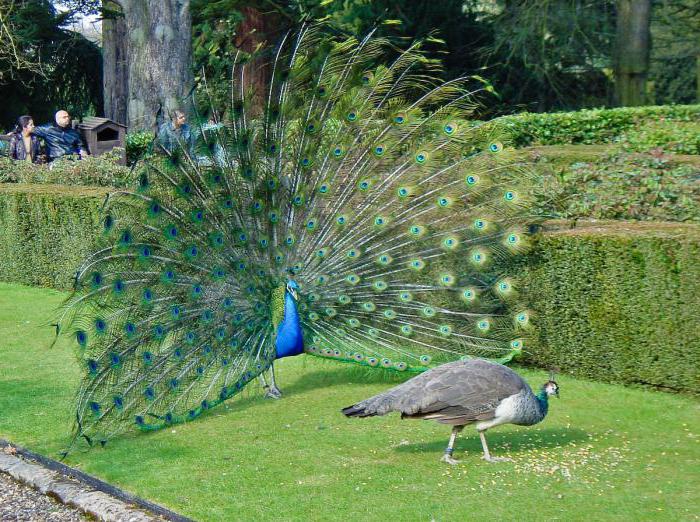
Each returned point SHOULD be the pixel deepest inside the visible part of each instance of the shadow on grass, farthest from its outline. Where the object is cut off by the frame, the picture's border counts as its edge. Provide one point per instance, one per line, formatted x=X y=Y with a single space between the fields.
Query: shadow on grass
x=511 y=441
x=343 y=373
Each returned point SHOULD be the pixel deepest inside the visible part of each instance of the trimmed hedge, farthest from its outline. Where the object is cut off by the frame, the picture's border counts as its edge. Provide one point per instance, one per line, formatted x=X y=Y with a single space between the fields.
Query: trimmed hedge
x=46 y=231
x=102 y=171
x=591 y=126
x=616 y=302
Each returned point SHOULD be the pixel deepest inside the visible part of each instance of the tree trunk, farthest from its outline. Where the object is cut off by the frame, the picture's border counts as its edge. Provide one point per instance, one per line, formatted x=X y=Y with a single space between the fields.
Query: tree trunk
x=159 y=35
x=253 y=34
x=115 y=79
x=632 y=51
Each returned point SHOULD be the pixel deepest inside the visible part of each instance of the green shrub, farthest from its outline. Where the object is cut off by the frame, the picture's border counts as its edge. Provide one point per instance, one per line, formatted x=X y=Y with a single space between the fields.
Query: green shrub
x=46 y=231
x=591 y=126
x=613 y=302
x=618 y=302
x=679 y=137
x=619 y=185
x=137 y=145
x=100 y=171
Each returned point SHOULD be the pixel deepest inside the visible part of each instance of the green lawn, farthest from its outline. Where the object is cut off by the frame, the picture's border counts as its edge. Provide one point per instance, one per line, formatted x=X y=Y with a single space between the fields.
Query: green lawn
x=604 y=452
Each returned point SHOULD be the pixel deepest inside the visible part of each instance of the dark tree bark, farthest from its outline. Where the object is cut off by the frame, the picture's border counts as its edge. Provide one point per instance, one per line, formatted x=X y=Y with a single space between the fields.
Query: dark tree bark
x=158 y=38
x=632 y=51
x=114 y=63
x=256 y=31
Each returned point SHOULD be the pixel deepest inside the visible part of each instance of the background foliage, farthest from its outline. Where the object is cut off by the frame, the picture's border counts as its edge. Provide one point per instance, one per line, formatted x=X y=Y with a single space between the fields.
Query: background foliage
x=65 y=70
x=539 y=55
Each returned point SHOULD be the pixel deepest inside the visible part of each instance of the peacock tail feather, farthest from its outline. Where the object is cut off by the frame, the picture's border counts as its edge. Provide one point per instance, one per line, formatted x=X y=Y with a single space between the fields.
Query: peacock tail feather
x=366 y=184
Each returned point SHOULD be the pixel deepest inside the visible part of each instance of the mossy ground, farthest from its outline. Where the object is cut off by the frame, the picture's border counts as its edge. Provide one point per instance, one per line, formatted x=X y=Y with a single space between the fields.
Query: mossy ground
x=604 y=452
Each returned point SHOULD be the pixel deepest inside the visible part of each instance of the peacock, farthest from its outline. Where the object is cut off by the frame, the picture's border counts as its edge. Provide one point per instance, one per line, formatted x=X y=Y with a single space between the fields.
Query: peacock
x=460 y=393
x=357 y=213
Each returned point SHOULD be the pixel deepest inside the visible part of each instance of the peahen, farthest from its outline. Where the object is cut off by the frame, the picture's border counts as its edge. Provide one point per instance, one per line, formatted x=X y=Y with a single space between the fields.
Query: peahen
x=463 y=392
x=359 y=216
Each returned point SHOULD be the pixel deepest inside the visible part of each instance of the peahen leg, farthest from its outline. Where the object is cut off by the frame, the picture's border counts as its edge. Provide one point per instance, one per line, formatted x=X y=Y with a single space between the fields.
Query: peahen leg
x=447 y=457
x=487 y=456
x=273 y=392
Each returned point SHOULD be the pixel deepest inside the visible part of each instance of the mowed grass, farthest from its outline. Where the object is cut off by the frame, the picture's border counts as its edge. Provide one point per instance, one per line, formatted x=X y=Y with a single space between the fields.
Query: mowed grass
x=603 y=453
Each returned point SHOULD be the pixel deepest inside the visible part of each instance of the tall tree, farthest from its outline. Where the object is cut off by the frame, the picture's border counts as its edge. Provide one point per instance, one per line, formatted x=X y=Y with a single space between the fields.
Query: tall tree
x=550 y=54
x=44 y=66
x=115 y=69
x=632 y=51
x=675 y=57
x=159 y=34
x=148 y=47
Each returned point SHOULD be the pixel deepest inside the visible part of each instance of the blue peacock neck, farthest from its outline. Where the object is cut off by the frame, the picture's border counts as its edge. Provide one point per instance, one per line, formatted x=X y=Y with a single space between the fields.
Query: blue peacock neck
x=290 y=340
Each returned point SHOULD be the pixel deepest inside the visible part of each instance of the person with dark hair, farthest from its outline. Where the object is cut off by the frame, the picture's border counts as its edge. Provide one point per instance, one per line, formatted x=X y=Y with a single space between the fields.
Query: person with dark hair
x=61 y=139
x=25 y=146
x=176 y=134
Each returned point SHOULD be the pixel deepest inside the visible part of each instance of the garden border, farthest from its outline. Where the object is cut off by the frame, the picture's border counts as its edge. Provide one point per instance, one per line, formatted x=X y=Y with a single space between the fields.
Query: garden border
x=82 y=495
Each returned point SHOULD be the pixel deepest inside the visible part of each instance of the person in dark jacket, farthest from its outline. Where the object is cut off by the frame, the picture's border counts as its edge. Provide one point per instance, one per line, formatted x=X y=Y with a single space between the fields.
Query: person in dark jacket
x=62 y=140
x=176 y=134
x=25 y=146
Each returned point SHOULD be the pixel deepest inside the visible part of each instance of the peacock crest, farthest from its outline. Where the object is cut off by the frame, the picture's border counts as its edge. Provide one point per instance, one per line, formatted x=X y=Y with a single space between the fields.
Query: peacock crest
x=367 y=186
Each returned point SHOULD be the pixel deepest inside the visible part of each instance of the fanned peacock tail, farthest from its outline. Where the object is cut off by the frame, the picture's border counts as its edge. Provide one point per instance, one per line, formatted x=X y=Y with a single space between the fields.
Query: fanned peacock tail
x=367 y=185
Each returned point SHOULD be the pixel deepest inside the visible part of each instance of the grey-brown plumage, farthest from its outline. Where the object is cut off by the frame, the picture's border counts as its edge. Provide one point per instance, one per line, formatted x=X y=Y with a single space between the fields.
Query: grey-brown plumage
x=461 y=393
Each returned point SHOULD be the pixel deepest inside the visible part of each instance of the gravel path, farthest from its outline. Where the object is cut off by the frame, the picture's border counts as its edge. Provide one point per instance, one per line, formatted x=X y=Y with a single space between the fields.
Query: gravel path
x=22 y=503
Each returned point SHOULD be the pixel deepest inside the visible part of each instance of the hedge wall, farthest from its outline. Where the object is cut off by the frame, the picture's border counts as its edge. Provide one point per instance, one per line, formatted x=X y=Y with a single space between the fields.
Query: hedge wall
x=592 y=126
x=616 y=302
x=45 y=231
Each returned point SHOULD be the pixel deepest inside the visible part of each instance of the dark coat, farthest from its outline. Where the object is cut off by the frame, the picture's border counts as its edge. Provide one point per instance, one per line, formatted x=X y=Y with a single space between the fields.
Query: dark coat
x=60 y=141
x=18 y=152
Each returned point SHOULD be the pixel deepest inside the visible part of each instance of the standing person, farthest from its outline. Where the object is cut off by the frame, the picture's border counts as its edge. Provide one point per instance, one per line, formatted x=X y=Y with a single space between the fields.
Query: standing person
x=176 y=133
x=25 y=146
x=61 y=140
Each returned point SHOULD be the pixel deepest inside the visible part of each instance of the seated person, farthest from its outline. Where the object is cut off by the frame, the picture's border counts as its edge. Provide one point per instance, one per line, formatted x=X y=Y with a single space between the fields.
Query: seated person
x=61 y=139
x=25 y=146
x=176 y=134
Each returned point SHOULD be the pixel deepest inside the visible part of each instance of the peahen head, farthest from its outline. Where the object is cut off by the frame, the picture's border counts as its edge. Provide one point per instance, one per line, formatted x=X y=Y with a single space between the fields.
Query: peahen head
x=551 y=388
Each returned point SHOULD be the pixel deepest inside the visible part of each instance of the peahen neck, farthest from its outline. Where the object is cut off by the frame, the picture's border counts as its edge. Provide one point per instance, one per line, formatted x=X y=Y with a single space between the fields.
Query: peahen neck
x=289 y=339
x=542 y=402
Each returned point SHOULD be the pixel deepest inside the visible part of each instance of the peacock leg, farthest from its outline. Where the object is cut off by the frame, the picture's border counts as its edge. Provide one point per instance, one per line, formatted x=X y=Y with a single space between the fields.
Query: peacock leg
x=273 y=392
x=447 y=457
x=487 y=456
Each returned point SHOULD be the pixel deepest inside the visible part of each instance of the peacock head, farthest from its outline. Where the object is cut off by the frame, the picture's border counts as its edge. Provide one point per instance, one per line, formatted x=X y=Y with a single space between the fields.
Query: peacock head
x=292 y=288
x=551 y=388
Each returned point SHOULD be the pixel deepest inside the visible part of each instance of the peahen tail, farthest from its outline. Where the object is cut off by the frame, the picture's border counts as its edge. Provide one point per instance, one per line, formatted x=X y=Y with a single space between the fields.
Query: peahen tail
x=369 y=185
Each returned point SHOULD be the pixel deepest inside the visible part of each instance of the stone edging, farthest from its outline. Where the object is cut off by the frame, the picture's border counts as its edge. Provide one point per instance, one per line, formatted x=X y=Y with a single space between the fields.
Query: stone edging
x=75 y=488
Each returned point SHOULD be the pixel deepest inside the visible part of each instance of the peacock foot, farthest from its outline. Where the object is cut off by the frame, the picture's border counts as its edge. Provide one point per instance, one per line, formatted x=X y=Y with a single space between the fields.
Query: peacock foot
x=448 y=458
x=273 y=392
x=497 y=459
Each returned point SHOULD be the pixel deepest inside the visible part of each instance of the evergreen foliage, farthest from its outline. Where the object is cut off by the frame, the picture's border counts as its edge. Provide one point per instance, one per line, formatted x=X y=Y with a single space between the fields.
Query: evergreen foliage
x=66 y=71
x=618 y=302
x=590 y=126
